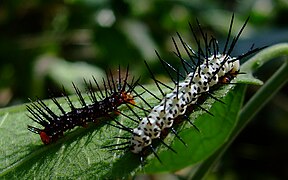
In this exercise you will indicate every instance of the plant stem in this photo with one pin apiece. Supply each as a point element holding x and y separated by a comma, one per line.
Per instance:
<point>255,104</point>
<point>267,54</point>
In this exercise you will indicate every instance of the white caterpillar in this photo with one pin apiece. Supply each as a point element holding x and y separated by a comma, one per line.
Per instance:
<point>175,103</point>
<point>212,68</point>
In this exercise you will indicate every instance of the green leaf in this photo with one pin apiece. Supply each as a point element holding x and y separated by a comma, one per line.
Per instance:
<point>79,152</point>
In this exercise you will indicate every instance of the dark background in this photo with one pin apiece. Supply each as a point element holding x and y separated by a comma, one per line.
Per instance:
<point>47,44</point>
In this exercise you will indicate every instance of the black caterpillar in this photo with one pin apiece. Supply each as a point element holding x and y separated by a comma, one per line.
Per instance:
<point>54,126</point>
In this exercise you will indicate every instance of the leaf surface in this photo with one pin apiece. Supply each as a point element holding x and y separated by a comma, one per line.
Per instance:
<point>79,153</point>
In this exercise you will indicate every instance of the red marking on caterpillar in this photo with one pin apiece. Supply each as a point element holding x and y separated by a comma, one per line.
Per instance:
<point>207,69</point>
<point>54,126</point>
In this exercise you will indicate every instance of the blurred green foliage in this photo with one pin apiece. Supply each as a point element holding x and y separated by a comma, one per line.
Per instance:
<point>46,44</point>
<point>107,33</point>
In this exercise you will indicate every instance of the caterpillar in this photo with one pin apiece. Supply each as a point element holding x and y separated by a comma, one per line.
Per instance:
<point>206,69</point>
<point>54,126</point>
